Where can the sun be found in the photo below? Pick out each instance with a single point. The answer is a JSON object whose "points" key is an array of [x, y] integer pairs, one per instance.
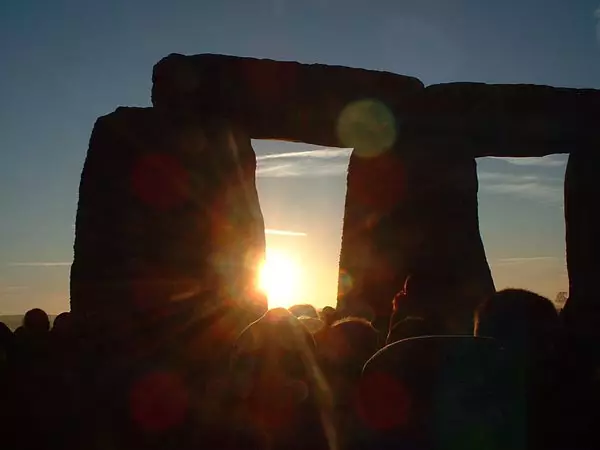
{"points": [[279, 279]]}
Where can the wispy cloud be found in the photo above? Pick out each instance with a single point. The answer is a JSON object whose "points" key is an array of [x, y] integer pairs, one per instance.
{"points": [[311, 163], [532, 191], [493, 177], [524, 260], [544, 189], [274, 232], [322, 153], [40, 264], [547, 161]]}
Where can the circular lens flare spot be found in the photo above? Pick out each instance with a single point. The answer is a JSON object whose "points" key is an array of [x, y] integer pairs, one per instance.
{"points": [[368, 126]]}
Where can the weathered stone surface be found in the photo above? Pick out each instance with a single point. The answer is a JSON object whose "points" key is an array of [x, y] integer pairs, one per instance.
{"points": [[582, 222], [168, 219], [405, 214], [480, 119], [311, 103]]}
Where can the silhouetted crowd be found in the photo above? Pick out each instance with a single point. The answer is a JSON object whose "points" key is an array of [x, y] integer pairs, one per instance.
{"points": [[308, 379]]}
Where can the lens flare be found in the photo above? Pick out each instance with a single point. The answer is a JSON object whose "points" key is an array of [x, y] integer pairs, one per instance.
{"points": [[345, 282], [368, 126]]}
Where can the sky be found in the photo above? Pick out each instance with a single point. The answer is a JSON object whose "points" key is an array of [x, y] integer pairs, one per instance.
{"points": [[66, 62]]}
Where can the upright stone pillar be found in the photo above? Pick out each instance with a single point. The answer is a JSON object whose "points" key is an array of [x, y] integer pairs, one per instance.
{"points": [[582, 223], [411, 212], [169, 231]]}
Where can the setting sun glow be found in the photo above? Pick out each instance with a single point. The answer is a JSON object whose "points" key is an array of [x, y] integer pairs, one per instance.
{"points": [[279, 278]]}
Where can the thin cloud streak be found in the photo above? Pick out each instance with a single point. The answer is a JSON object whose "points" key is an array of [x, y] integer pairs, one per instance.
{"points": [[311, 163], [547, 161], [505, 177], [524, 260], [530, 191], [530, 187], [275, 232], [302, 170], [40, 264], [323, 153]]}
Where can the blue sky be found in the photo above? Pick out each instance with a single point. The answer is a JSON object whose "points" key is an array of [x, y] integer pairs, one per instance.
{"points": [[64, 63]]}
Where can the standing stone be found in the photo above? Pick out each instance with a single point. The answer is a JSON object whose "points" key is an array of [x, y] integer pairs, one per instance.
{"points": [[478, 119], [582, 224], [314, 103], [169, 230], [407, 214]]}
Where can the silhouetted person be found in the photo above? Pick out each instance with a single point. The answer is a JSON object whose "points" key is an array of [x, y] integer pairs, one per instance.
{"points": [[64, 342], [348, 343], [36, 321], [528, 327], [64, 345], [313, 325], [32, 338], [7, 344], [7, 340], [19, 332], [304, 310], [343, 350], [437, 393], [279, 401], [519, 319], [424, 295], [409, 328], [32, 382], [63, 324], [328, 315]]}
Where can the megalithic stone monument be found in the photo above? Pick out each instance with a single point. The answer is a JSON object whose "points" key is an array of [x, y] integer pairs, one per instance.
{"points": [[168, 224], [365, 110], [168, 197]]}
